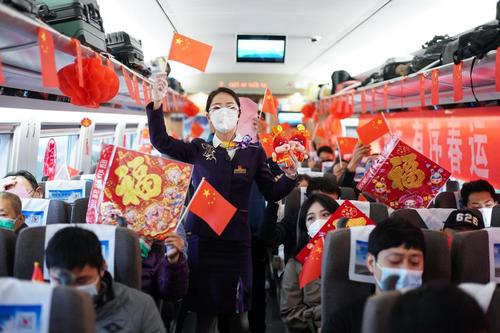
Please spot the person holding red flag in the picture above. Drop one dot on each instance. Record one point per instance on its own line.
(220, 285)
(301, 289)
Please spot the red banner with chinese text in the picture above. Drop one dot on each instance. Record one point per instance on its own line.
(463, 141)
(148, 192)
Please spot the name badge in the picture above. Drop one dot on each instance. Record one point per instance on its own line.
(240, 170)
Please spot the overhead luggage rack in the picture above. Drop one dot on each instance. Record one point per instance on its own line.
(404, 92)
(19, 53)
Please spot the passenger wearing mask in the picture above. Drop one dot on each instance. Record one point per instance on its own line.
(478, 194)
(22, 183)
(324, 154)
(11, 215)
(77, 252)
(301, 308)
(396, 248)
(437, 308)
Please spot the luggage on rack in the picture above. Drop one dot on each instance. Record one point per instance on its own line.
(80, 19)
(128, 51)
(478, 42)
(430, 55)
(24, 6)
(339, 77)
(395, 67)
(175, 85)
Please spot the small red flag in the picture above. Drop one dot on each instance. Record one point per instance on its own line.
(497, 69)
(47, 59)
(373, 130)
(2, 80)
(435, 87)
(458, 92)
(37, 275)
(311, 270)
(72, 171)
(266, 140)
(346, 145)
(145, 91)
(269, 104)
(363, 101)
(422, 89)
(137, 98)
(129, 83)
(211, 207)
(190, 52)
(385, 96)
(79, 62)
(374, 101)
(196, 130)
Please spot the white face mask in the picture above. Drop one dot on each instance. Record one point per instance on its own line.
(224, 119)
(407, 278)
(315, 227)
(90, 289)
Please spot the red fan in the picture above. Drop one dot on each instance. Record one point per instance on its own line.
(100, 83)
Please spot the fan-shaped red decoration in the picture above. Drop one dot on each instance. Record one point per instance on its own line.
(190, 109)
(100, 83)
(308, 110)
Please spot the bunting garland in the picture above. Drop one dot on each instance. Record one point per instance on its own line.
(79, 62)
(458, 92)
(2, 80)
(363, 101)
(47, 59)
(385, 96)
(435, 87)
(374, 101)
(422, 89)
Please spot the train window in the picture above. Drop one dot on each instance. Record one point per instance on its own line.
(5, 143)
(97, 144)
(65, 146)
(130, 139)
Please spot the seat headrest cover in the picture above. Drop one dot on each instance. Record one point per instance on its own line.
(487, 215)
(65, 190)
(35, 211)
(482, 293)
(434, 217)
(359, 250)
(494, 249)
(27, 301)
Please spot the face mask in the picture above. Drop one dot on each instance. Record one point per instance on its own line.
(145, 248)
(90, 289)
(224, 119)
(315, 227)
(6, 223)
(407, 279)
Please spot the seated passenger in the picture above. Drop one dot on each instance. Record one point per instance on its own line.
(478, 194)
(11, 216)
(323, 185)
(347, 178)
(463, 220)
(437, 309)
(303, 180)
(301, 309)
(396, 250)
(325, 154)
(118, 308)
(22, 183)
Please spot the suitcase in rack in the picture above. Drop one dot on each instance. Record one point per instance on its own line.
(80, 19)
(127, 50)
(430, 55)
(25, 6)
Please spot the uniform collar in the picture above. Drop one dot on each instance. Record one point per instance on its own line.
(216, 141)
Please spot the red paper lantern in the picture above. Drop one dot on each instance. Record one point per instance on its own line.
(100, 83)
(190, 109)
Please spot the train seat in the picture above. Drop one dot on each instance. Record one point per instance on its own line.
(7, 248)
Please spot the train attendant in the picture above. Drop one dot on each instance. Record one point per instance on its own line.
(220, 266)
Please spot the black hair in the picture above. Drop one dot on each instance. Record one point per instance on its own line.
(328, 203)
(323, 184)
(15, 202)
(74, 247)
(324, 149)
(475, 186)
(303, 177)
(26, 174)
(437, 308)
(221, 90)
(394, 232)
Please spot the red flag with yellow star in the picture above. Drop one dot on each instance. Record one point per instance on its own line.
(346, 145)
(312, 265)
(266, 140)
(211, 207)
(269, 104)
(47, 59)
(190, 52)
(373, 130)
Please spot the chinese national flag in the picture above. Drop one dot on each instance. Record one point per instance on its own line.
(347, 210)
(269, 104)
(196, 130)
(373, 130)
(346, 145)
(72, 171)
(190, 52)
(311, 270)
(37, 275)
(211, 207)
(47, 59)
(266, 140)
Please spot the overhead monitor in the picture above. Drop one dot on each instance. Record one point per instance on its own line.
(260, 48)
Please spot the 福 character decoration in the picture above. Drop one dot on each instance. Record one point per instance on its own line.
(298, 143)
(281, 154)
